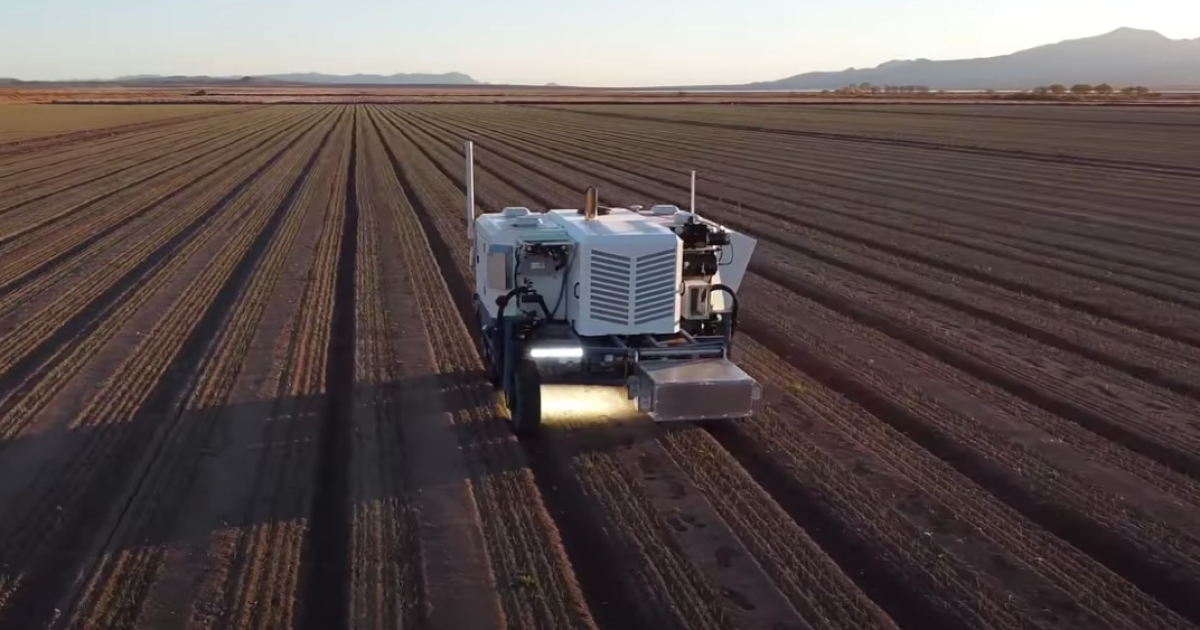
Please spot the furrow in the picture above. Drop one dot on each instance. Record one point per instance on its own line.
(537, 583)
(41, 346)
(70, 139)
(146, 537)
(76, 168)
(1075, 194)
(861, 188)
(1180, 171)
(1108, 423)
(1113, 303)
(328, 569)
(23, 219)
(83, 492)
(393, 382)
(28, 281)
(597, 445)
(272, 567)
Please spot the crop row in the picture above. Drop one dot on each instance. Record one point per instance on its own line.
(128, 335)
(530, 179)
(239, 354)
(1127, 140)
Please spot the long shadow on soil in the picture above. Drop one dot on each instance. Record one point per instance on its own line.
(174, 480)
(206, 453)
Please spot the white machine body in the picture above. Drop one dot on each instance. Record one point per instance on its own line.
(641, 290)
(623, 275)
(497, 238)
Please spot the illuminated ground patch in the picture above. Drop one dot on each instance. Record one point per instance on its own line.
(587, 404)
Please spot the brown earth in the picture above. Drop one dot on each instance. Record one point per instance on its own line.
(201, 94)
(240, 389)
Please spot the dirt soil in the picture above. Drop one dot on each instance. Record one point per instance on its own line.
(239, 386)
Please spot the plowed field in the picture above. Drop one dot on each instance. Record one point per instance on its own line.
(239, 387)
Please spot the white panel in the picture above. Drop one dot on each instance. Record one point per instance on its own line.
(628, 273)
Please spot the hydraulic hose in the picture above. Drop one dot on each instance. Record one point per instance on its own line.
(503, 300)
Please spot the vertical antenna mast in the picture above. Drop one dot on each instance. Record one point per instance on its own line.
(470, 189)
(692, 203)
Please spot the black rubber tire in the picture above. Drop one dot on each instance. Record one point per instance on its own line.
(525, 409)
(487, 339)
(489, 361)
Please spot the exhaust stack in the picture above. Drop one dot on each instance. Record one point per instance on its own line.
(590, 205)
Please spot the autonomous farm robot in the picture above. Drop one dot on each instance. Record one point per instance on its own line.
(640, 299)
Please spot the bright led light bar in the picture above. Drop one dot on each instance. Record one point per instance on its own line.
(552, 352)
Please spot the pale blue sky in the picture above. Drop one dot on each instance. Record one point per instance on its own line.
(614, 42)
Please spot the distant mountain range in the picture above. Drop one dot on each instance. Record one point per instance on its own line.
(1126, 56)
(305, 78)
(448, 78)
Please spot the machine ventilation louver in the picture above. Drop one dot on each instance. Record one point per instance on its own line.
(624, 292)
(609, 291)
(654, 296)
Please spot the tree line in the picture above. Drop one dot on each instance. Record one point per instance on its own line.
(1042, 91)
(867, 88)
(1081, 89)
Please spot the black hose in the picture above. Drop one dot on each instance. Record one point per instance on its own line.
(562, 291)
(503, 300)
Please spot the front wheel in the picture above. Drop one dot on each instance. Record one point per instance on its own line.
(487, 338)
(525, 409)
(490, 362)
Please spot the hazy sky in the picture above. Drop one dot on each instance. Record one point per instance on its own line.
(615, 42)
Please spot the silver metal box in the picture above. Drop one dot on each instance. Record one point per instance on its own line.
(674, 391)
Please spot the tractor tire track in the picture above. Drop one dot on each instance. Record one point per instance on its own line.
(393, 416)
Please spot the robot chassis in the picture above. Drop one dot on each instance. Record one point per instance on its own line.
(645, 299)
